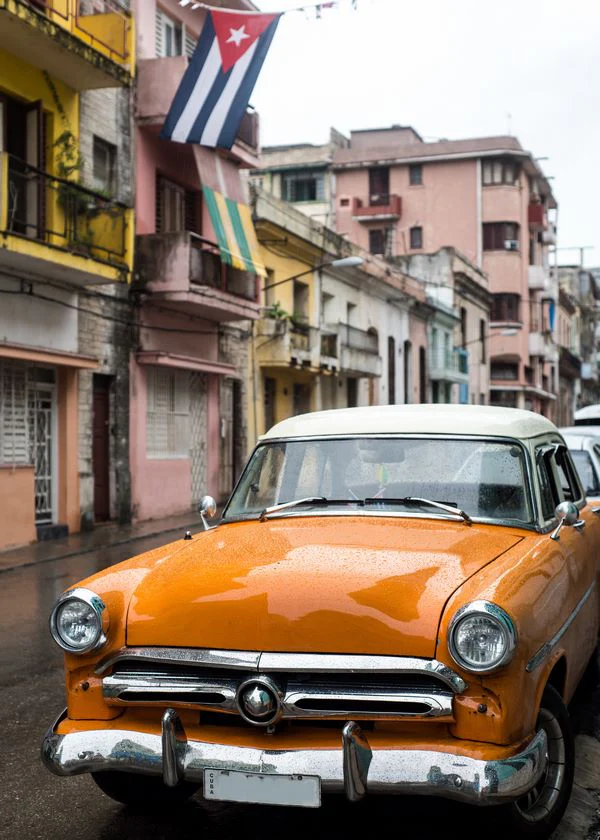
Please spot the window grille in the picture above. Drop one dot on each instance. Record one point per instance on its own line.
(168, 413)
(14, 428)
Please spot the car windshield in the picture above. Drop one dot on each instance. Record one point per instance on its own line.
(587, 473)
(484, 478)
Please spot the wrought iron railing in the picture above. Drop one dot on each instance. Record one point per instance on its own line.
(60, 213)
(358, 339)
(106, 23)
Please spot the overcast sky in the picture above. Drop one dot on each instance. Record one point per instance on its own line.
(454, 69)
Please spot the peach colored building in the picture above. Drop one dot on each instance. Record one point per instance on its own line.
(487, 197)
(188, 370)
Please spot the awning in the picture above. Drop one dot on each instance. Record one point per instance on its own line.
(234, 231)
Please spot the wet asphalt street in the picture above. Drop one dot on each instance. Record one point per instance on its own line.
(34, 804)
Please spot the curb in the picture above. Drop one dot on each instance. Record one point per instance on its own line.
(77, 552)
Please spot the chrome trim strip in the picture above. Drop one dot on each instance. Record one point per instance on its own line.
(116, 687)
(237, 660)
(269, 662)
(546, 649)
(396, 770)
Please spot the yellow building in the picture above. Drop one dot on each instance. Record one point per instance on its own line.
(284, 352)
(56, 237)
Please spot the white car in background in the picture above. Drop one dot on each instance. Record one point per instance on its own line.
(584, 445)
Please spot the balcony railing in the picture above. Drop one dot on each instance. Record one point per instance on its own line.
(208, 269)
(537, 215)
(104, 24)
(358, 339)
(379, 205)
(61, 214)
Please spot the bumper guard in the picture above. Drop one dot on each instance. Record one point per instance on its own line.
(355, 768)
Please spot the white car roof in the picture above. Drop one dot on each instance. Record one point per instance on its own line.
(590, 412)
(578, 437)
(405, 419)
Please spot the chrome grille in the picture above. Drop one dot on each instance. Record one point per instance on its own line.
(384, 688)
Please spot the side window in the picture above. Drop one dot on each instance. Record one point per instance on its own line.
(548, 493)
(569, 483)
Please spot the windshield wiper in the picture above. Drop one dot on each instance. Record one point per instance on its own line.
(417, 500)
(307, 501)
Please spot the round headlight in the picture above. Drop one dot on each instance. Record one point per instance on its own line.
(481, 637)
(79, 621)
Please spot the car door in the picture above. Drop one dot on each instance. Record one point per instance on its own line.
(573, 550)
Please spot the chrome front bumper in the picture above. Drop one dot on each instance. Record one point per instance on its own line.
(354, 768)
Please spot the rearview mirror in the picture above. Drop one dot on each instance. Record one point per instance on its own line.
(207, 508)
(567, 513)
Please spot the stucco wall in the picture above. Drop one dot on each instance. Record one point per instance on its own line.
(25, 319)
(17, 512)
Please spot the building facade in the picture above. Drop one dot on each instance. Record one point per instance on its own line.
(458, 293)
(195, 292)
(487, 197)
(58, 237)
(330, 336)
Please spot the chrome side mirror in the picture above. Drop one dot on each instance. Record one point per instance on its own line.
(567, 513)
(207, 508)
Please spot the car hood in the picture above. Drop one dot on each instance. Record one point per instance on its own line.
(319, 584)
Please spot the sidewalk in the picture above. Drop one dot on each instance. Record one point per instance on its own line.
(101, 537)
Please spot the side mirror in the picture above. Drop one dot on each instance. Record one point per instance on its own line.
(567, 513)
(207, 508)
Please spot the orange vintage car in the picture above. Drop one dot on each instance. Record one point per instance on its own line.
(397, 599)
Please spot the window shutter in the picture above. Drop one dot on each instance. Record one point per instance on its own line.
(189, 43)
(159, 34)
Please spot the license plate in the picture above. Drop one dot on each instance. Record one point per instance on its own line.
(262, 788)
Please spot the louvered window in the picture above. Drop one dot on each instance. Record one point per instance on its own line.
(168, 413)
(190, 43)
(176, 207)
(168, 35)
(14, 428)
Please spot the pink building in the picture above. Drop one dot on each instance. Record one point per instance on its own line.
(487, 197)
(188, 371)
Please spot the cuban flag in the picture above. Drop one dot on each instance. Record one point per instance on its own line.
(216, 87)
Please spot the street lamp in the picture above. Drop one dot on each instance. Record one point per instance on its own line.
(343, 262)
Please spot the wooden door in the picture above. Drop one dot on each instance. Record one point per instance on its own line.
(101, 447)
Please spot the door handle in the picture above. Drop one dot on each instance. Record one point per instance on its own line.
(579, 525)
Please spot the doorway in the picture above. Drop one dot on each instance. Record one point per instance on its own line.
(101, 447)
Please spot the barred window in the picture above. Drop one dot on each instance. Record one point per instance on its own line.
(168, 413)
(14, 428)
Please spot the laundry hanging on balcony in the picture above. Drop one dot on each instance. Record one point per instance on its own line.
(235, 232)
(216, 87)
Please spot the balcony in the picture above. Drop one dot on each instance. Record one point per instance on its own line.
(449, 365)
(186, 270)
(540, 345)
(380, 208)
(539, 279)
(85, 51)
(157, 83)
(359, 351)
(61, 230)
(537, 215)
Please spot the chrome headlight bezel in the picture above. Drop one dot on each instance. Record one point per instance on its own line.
(98, 606)
(504, 622)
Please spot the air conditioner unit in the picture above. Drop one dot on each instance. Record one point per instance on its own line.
(511, 245)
